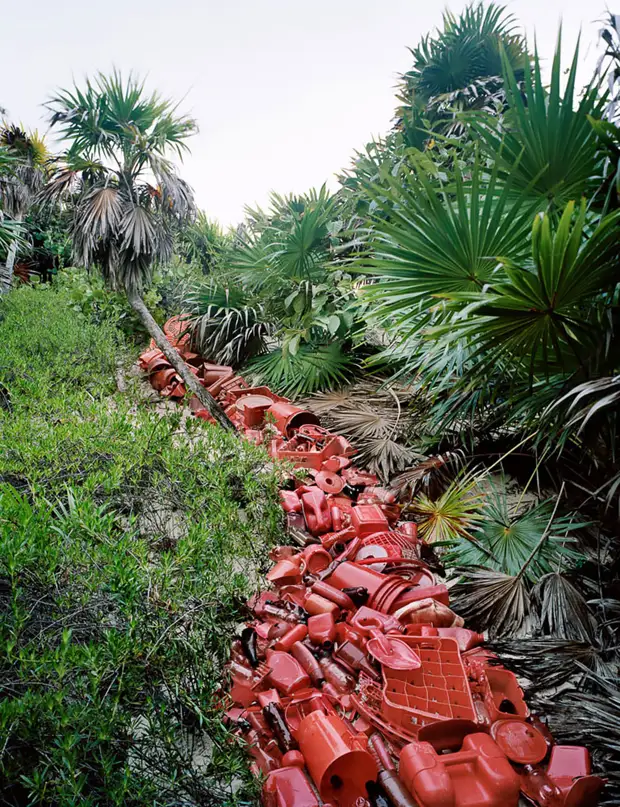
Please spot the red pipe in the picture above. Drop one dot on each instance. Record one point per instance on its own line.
(380, 749)
(334, 595)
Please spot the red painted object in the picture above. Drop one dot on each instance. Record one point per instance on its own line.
(316, 559)
(322, 629)
(252, 409)
(296, 634)
(479, 775)
(286, 674)
(569, 769)
(438, 690)
(290, 501)
(288, 418)
(338, 761)
(466, 638)
(316, 511)
(289, 787)
(368, 519)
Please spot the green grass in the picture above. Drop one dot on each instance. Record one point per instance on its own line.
(128, 546)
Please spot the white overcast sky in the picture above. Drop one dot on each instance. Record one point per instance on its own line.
(283, 91)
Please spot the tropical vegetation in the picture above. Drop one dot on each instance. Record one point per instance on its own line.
(452, 309)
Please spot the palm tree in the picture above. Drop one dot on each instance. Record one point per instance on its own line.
(127, 197)
(20, 184)
(460, 68)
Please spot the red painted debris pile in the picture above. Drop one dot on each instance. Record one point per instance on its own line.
(354, 683)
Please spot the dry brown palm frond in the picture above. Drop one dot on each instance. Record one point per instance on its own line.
(374, 419)
(493, 600)
(383, 456)
(324, 403)
(564, 612)
(366, 422)
(431, 476)
(549, 663)
(595, 716)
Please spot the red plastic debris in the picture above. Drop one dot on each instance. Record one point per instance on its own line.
(356, 640)
(368, 519)
(316, 511)
(338, 760)
(479, 775)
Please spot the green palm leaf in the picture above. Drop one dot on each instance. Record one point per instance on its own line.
(310, 369)
(429, 242)
(546, 145)
(543, 315)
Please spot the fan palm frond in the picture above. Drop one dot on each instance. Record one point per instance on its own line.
(432, 476)
(453, 514)
(563, 609)
(224, 327)
(548, 148)
(311, 368)
(506, 536)
(493, 601)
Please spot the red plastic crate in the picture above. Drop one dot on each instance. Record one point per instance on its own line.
(439, 690)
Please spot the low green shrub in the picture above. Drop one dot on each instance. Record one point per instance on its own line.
(129, 543)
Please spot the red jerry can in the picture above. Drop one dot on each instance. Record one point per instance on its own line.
(285, 673)
(338, 760)
(289, 787)
(368, 519)
(316, 511)
(569, 770)
(322, 629)
(479, 775)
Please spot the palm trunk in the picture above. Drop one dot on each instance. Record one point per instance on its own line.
(189, 379)
(6, 271)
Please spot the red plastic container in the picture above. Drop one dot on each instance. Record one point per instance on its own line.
(322, 629)
(479, 775)
(338, 761)
(316, 511)
(288, 417)
(439, 690)
(285, 673)
(368, 519)
(569, 770)
(289, 787)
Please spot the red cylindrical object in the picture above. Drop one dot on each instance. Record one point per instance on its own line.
(334, 595)
(397, 793)
(293, 759)
(308, 662)
(315, 604)
(380, 749)
(296, 634)
(355, 658)
(289, 417)
(340, 536)
(316, 558)
(337, 676)
(322, 628)
(336, 759)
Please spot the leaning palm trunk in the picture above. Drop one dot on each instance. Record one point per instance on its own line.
(6, 270)
(189, 379)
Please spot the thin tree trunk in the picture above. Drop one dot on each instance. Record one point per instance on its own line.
(6, 271)
(189, 379)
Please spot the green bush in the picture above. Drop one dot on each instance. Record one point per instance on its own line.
(129, 542)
